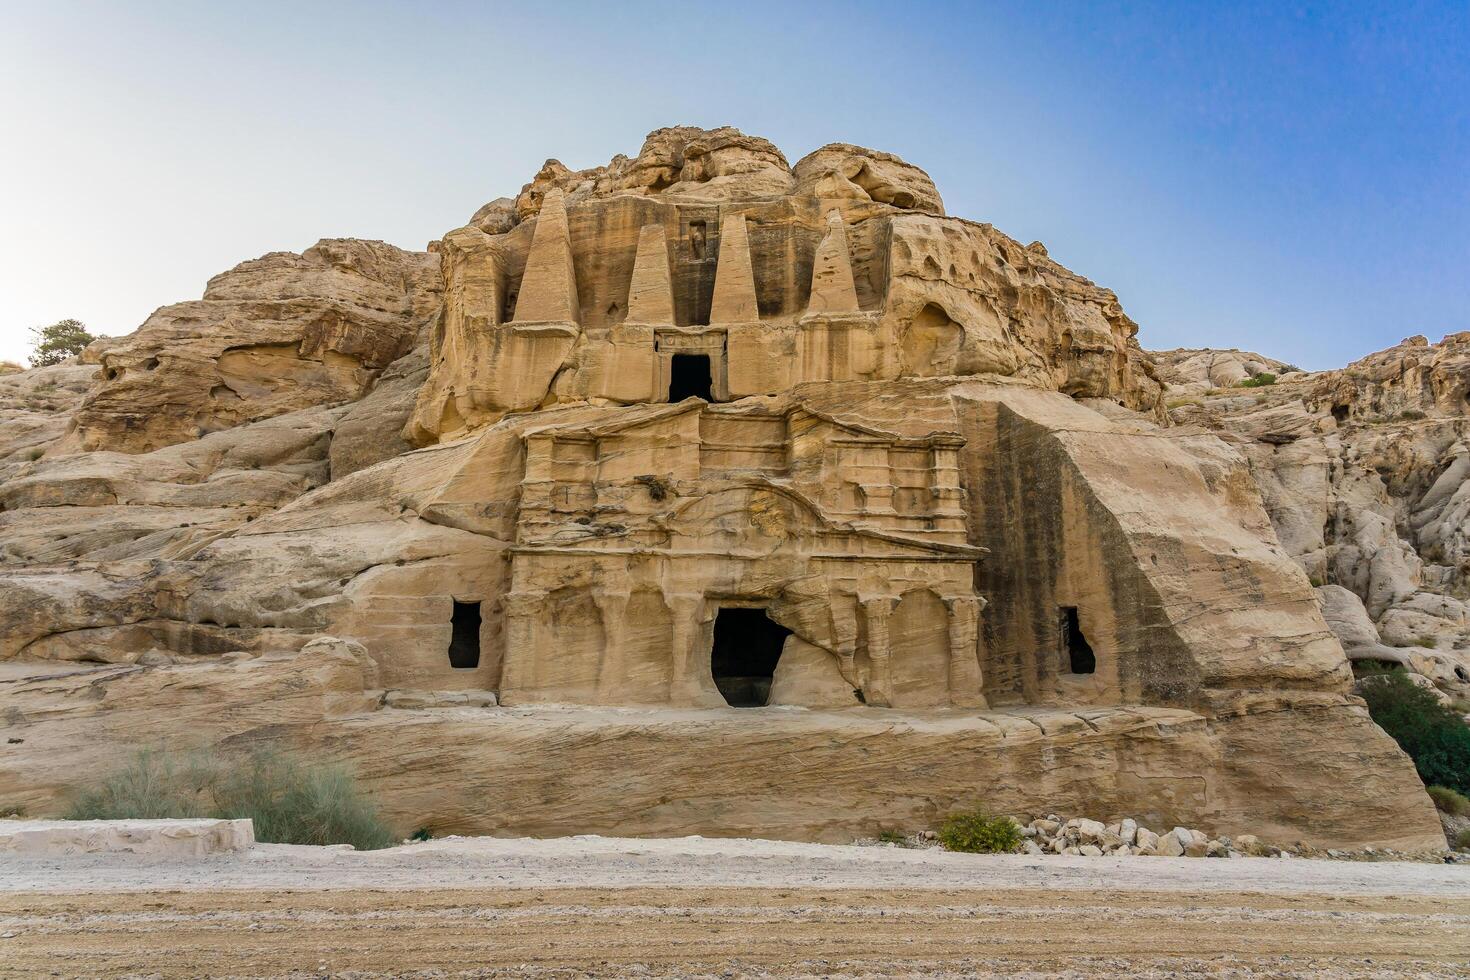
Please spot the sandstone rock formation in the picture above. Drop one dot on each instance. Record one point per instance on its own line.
(1364, 473)
(531, 527)
(274, 335)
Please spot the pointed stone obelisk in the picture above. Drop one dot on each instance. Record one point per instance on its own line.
(548, 291)
(734, 299)
(833, 291)
(651, 293)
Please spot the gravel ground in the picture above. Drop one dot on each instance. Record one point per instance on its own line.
(609, 862)
(599, 907)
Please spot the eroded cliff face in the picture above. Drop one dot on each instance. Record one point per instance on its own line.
(355, 497)
(1364, 473)
(274, 335)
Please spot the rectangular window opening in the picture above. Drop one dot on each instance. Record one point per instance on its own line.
(464, 638)
(690, 377)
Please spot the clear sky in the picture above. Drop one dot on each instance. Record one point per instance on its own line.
(1288, 178)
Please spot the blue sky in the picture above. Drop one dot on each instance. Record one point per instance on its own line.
(1293, 179)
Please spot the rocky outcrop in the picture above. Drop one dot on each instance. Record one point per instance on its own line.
(36, 409)
(1194, 371)
(274, 335)
(1364, 473)
(701, 432)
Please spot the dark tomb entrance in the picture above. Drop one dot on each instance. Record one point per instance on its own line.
(689, 377)
(743, 659)
(1080, 658)
(464, 637)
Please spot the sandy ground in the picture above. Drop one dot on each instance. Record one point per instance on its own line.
(689, 908)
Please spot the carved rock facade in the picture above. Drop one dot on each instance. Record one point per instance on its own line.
(700, 434)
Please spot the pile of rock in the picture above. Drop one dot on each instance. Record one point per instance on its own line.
(1093, 838)
(1080, 836)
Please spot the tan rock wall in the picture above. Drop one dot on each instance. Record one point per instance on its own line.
(1161, 543)
(1311, 770)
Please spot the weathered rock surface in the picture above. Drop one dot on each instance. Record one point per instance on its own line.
(1366, 476)
(1196, 371)
(925, 471)
(807, 775)
(274, 335)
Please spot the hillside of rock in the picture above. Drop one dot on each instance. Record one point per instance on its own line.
(1364, 473)
(478, 519)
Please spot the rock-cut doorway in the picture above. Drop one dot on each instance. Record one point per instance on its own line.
(747, 647)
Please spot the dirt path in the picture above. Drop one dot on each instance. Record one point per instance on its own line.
(725, 932)
(604, 907)
(611, 862)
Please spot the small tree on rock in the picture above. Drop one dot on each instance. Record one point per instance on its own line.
(56, 343)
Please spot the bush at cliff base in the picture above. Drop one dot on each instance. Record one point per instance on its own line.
(1437, 739)
(291, 800)
(980, 832)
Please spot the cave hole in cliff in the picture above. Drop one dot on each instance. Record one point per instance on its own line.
(1340, 413)
(743, 659)
(1080, 658)
(464, 637)
(690, 377)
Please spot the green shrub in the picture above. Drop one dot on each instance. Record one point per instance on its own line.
(54, 344)
(1437, 739)
(1448, 801)
(296, 802)
(290, 800)
(979, 832)
(1426, 641)
(1259, 381)
(155, 785)
(1462, 839)
(1411, 415)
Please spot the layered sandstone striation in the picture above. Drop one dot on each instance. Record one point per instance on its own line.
(695, 493)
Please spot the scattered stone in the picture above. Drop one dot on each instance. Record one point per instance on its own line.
(1170, 845)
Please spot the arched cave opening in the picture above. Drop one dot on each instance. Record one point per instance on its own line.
(1080, 658)
(743, 659)
(690, 377)
(464, 635)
